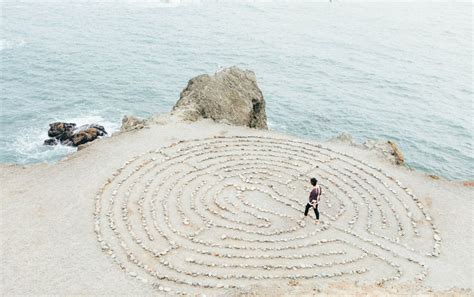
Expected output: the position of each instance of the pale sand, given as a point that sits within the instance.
(49, 214)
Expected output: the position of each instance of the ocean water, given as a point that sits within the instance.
(400, 71)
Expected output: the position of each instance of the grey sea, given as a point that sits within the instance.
(400, 71)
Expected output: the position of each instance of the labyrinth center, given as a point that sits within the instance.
(227, 212)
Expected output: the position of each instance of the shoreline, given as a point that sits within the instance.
(467, 183)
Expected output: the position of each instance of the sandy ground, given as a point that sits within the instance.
(143, 214)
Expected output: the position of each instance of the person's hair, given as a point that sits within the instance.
(314, 181)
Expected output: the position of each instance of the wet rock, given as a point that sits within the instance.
(69, 134)
(50, 141)
(100, 129)
(231, 96)
(83, 146)
(84, 136)
(61, 131)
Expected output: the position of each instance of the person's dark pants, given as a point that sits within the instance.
(316, 211)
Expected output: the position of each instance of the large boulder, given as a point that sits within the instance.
(229, 96)
(69, 134)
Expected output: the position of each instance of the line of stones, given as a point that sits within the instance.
(137, 241)
(244, 276)
(398, 183)
(256, 278)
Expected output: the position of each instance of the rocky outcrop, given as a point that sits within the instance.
(387, 149)
(61, 131)
(69, 134)
(229, 96)
(396, 153)
(130, 123)
(85, 136)
(344, 138)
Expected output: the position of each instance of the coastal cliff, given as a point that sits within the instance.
(206, 200)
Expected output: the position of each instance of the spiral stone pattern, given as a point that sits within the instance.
(208, 215)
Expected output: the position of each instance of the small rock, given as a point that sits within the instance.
(344, 137)
(130, 123)
(50, 141)
(399, 158)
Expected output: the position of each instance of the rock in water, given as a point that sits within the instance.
(68, 134)
(50, 141)
(229, 96)
(84, 136)
(61, 131)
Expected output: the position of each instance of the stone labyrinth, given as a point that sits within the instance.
(208, 215)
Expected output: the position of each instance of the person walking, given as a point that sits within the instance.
(314, 198)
